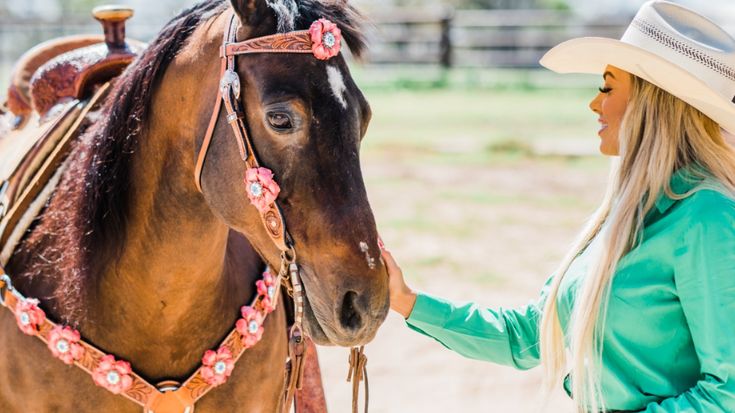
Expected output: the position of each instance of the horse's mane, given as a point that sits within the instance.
(102, 168)
(102, 212)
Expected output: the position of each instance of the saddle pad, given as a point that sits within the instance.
(34, 138)
(22, 155)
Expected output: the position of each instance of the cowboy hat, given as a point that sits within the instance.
(670, 46)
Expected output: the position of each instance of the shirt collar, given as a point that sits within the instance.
(682, 181)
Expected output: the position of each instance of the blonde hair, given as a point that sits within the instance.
(660, 133)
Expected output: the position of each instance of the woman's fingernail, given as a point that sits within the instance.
(381, 244)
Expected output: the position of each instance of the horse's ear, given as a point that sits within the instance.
(248, 10)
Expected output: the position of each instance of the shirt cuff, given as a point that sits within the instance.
(430, 310)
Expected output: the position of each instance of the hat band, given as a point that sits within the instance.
(684, 49)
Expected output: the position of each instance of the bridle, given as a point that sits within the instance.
(322, 34)
(323, 41)
(229, 94)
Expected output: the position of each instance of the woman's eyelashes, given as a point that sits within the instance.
(604, 89)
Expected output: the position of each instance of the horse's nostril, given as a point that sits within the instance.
(349, 316)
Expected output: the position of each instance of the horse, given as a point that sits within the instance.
(147, 267)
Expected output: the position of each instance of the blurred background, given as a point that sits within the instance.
(480, 166)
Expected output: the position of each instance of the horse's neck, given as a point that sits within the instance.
(174, 247)
(175, 290)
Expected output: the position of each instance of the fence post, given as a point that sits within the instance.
(445, 44)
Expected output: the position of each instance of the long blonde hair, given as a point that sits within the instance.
(660, 133)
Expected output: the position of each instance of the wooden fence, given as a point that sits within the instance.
(478, 38)
(445, 37)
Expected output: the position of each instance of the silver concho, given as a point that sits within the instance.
(230, 79)
(25, 318)
(62, 346)
(113, 377)
(220, 367)
(256, 189)
(253, 327)
(329, 40)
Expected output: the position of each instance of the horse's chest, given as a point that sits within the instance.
(31, 380)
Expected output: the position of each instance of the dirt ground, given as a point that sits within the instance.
(486, 232)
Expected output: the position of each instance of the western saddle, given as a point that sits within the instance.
(53, 87)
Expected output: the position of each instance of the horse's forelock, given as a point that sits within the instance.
(287, 11)
(299, 15)
(340, 12)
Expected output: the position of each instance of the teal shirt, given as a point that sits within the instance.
(669, 337)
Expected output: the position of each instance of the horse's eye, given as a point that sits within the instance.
(280, 121)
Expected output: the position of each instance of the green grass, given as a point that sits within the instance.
(475, 124)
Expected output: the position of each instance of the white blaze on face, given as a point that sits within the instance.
(366, 250)
(337, 83)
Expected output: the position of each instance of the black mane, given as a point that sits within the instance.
(103, 212)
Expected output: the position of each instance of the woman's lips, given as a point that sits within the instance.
(603, 126)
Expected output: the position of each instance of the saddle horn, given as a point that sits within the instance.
(112, 18)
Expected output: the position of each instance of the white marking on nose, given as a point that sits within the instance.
(337, 83)
(366, 250)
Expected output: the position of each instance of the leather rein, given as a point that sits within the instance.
(323, 41)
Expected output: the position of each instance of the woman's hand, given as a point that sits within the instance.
(402, 297)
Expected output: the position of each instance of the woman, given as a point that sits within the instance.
(640, 315)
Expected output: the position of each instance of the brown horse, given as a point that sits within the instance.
(149, 269)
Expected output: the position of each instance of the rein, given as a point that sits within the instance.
(323, 40)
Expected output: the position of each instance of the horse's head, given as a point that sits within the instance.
(306, 119)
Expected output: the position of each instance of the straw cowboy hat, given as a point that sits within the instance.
(670, 46)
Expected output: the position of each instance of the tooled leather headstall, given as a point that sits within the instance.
(323, 40)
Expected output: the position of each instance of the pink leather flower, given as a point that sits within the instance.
(64, 344)
(326, 39)
(250, 326)
(113, 375)
(29, 316)
(262, 188)
(267, 292)
(217, 366)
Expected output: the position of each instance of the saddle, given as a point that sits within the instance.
(53, 87)
(69, 67)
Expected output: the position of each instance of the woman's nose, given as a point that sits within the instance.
(595, 104)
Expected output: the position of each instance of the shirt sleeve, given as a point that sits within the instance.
(504, 336)
(705, 282)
